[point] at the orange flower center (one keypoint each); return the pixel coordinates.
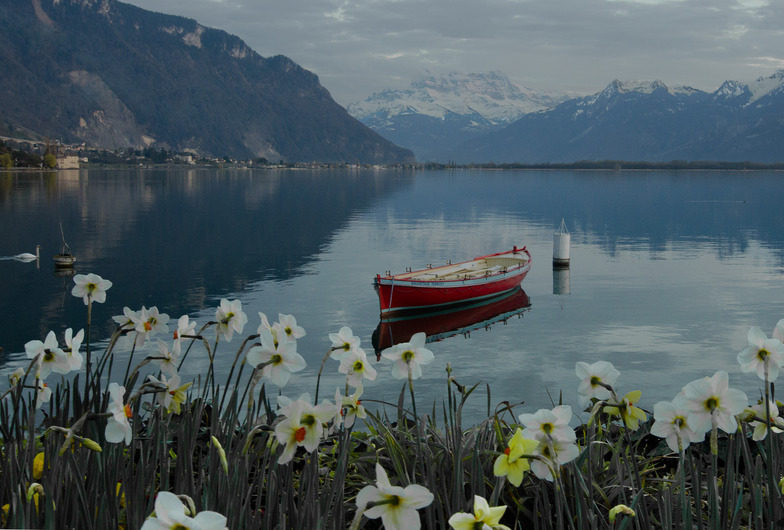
(128, 413)
(147, 326)
(508, 451)
(299, 435)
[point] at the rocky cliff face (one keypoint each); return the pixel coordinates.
(113, 75)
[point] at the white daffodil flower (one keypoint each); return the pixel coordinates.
(356, 367)
(170, 513)
(50, 357)
(549, 423)
(711, 397)
(762, 355)
(289, 325)
(395, 505)
(90, 287)
(343, 342)
(411, 354)
(118, 428)
(282, 357)
(230, 318)
(74, 342)
(593, 377)
(671, 422)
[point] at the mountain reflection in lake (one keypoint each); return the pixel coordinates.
(669, 269)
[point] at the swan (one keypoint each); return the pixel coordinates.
(26, 256)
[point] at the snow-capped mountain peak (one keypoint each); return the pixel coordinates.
(753, 91)
(490, 96)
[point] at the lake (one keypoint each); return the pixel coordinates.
(668, 269)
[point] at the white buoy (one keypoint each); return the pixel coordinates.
(561, 243)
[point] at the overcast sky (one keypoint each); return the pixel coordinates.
(358, 47)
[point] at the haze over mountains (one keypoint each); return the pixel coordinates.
(645, 121)
(112, 75)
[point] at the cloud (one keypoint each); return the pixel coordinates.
(361, 46)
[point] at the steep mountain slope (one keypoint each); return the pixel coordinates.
(645, 121)
(113, 75)
(438, 112)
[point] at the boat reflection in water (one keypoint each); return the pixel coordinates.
(446, 322)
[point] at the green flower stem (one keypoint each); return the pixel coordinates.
(321, 369)
(233, 365)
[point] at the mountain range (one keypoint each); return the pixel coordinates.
(440, 111)
(112, 75)
(646, 121)
(628, 120)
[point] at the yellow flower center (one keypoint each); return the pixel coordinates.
(48, 356)
(408, 356)
(762, 354)
(712, 403)
(358, 366)
(346, 346)
(276, 359)
(595, 380)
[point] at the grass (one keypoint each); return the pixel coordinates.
(220, 453)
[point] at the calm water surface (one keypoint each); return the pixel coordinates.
(668, 269)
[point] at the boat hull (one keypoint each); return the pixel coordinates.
(400, 293)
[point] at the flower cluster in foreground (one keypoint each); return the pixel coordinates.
(305, 435)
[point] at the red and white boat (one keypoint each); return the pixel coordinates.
(482, 277)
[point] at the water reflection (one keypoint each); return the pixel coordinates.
(456, 320)
(666, 275)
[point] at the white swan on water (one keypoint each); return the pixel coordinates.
(26, 256)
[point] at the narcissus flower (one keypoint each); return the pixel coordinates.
(90, 287)
(594, 380)
(762, 355)
(511, 463)
(185, 326)
(302, 426)
(230, 318)
(483, 518)
(553, 423)
(15, 377)
(629, 414)
(118, 428)
(761, 426)
(73, 343)
(556, 453)
(355, 365)
(168, 357)
(671, 423)
(289, 325)
(281, 356)
(711, 397)
(343, 342)
(411, 354)
(353, 408)
(43, 394)
(170, 514)
(395, 505)
(51, 357)
(172, 394)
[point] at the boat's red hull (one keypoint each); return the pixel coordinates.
(397, 293)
